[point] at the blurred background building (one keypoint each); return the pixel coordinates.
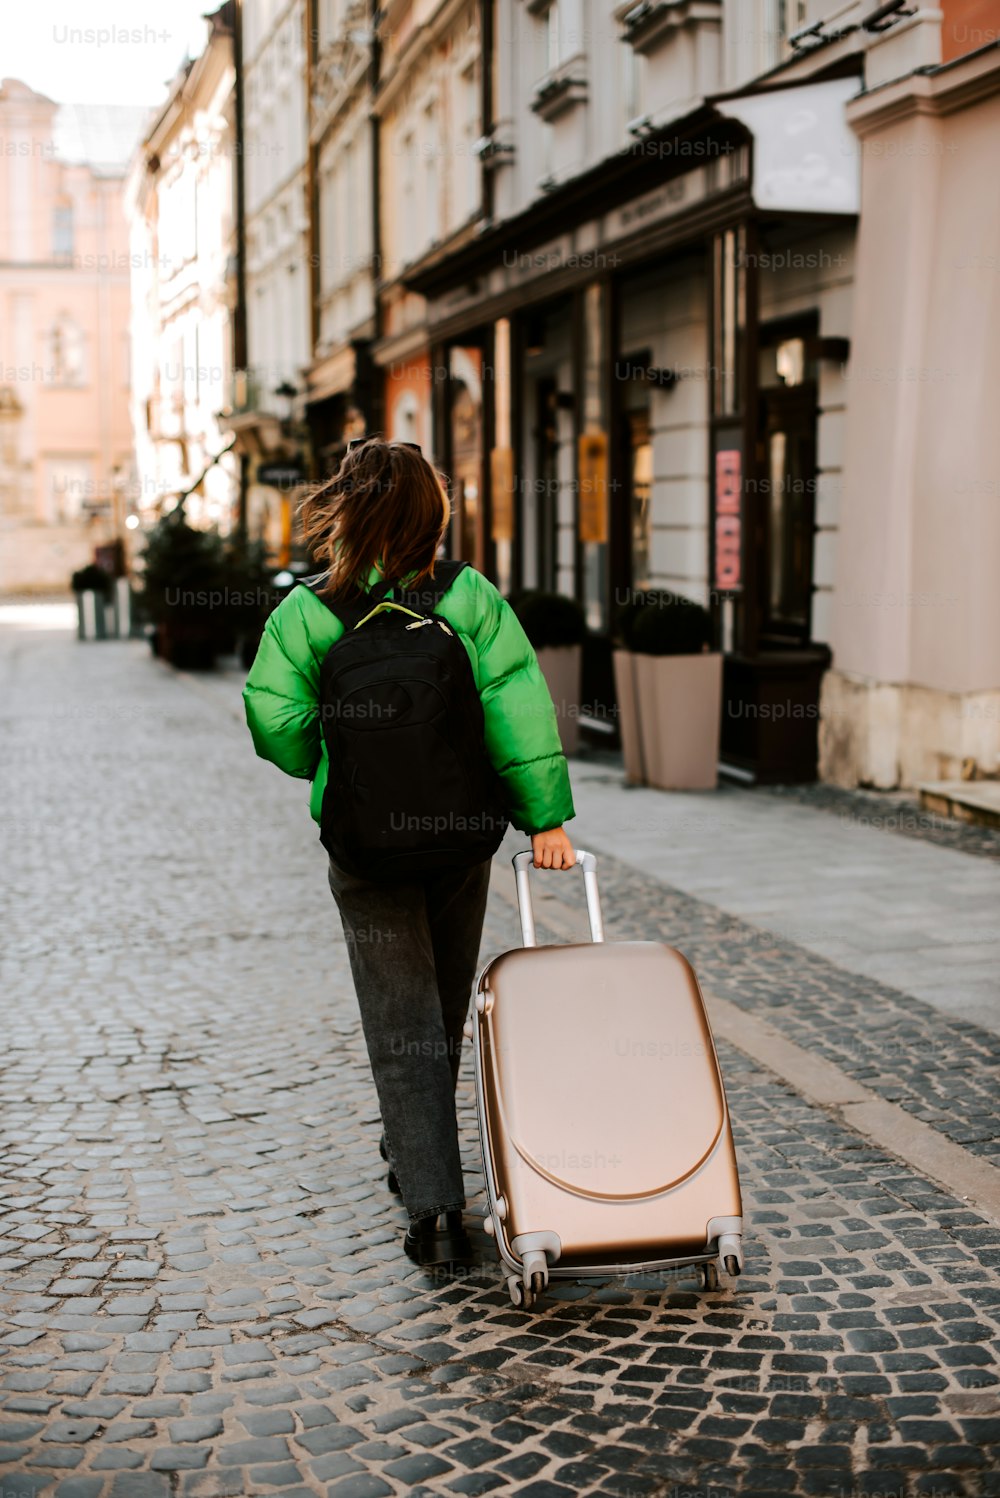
(698, 295)
(66, 459)
(180, 202)
(268, 396)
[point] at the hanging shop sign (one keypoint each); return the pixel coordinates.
(592, 474)
(502, 493)
(728, 521)
(280, 475)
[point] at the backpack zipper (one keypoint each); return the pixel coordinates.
(419, 624)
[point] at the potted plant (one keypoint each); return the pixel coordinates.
(185, 592)
(669, 686)
(251, 593)
(92, 586)
(556, 627)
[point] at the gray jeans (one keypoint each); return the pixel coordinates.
(414, 950)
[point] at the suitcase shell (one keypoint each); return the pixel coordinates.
(603, 1116)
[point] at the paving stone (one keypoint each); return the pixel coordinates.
(118, 1457)
(176, 1458)
(80, 1487)
(269, 1422)
(201, 1428)
(361, 1485)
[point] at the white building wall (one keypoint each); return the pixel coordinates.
(277, 224)
(181, 241)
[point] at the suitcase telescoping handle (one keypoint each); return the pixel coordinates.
(522, 863)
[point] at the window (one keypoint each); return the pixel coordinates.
(631, 81)
(469, 195)
(66, 352)
(408, 224)
(62, 231)
(430, 186)
(553, 55)
(70, 489)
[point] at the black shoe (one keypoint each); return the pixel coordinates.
(439, 1242)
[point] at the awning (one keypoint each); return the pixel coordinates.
(332, 376)
(806, 158)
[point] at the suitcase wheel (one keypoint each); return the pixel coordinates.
(709, 1275)
(731, 1253)
(516, 1291)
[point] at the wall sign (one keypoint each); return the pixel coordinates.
(728, 521)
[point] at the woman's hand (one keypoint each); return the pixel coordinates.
(552, 849)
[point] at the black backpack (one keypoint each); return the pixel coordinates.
(411, 791)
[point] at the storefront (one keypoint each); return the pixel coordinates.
(635, 398)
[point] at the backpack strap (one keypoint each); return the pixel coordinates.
(431, 590)
(351, 609)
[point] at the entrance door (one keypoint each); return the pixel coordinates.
(788, 427)
(466, 454)
(546, 439)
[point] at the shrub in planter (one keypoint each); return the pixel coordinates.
(251, 594)
(670, 625)
(184, 592)
(669, 687)
(92, 586)
(91, 579)
(556, 627)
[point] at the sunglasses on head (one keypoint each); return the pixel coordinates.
(359, 441)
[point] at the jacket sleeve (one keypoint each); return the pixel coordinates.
(282, 701)
(522, 737)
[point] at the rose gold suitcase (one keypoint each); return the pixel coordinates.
(602, 1111)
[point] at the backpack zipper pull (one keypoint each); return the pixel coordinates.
(443, 626)
(419, 623)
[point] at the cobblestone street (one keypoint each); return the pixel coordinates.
(202, 1283)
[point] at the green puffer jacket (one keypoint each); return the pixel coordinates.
(522, 739)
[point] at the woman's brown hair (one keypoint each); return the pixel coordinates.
(386, 505)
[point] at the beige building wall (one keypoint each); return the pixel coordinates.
(65, 436)
(916, 624)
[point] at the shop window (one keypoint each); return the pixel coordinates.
(790, 361)
(62, 231)
(640, 495)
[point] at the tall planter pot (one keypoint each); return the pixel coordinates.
(561, 666)
(628, 716)
(91, 614)
(670, 713)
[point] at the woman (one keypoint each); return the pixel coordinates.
(414, 946)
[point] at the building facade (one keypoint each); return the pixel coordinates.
(637, 355)
(268, 402)
(65, 439)
(689, 295)
(180, 200)
(914, 692)
(342, 393)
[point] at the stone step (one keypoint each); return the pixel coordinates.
(967, 800)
